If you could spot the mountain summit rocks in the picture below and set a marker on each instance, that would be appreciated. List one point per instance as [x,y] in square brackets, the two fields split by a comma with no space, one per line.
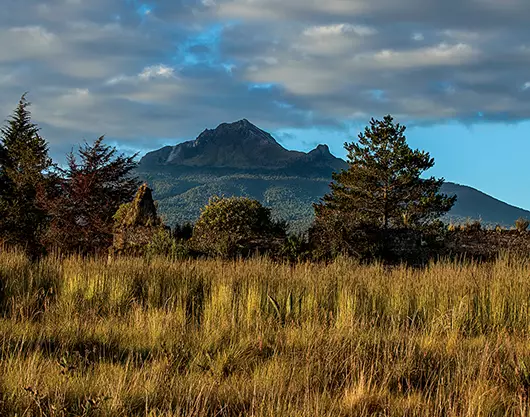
[240,145]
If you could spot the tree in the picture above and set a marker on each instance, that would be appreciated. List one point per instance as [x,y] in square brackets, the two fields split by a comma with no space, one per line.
[235,225]
[382,188]
[89,193]
[24,163]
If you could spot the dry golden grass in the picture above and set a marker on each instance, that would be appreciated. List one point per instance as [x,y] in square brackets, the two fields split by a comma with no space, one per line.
[256,338]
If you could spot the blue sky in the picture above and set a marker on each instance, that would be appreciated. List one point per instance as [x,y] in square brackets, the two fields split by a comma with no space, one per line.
[147,74]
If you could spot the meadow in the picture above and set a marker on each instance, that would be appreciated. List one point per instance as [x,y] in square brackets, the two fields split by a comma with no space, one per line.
[154,337]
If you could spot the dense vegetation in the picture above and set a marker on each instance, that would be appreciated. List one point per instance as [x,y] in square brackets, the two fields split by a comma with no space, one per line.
[233,226]
[256,338]
[81,208]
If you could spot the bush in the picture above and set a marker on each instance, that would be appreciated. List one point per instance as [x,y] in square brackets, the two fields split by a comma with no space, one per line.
[522,224]
[472,226]
[183,232]
[338,234]
[163,244]
[295,248]
[236,226]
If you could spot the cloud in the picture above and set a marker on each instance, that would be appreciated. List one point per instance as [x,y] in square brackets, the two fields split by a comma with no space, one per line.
[145,72]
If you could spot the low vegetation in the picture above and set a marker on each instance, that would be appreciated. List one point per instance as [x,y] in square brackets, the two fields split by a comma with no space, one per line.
[257,338]
[235,226]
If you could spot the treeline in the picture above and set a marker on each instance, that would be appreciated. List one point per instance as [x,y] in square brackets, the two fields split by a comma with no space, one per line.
[380,207]
[46,207]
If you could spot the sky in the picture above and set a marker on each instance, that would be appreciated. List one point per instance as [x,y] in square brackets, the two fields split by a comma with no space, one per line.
[148,74]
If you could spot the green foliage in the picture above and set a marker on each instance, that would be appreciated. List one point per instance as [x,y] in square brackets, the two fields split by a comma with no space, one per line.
[138,230]
[236,225]
[382,186]
[164,244]
[24,163]
[522,224]
[295,248]
[122,213]
[338,234]
[380,191]
[182,194]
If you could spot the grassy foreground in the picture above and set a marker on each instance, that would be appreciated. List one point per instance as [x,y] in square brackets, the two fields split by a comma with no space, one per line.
[254,338]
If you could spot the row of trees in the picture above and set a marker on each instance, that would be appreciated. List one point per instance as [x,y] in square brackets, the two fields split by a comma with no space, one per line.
[73,208]
[46,206]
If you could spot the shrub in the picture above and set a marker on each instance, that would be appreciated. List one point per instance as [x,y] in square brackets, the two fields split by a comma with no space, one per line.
[451,227]
[295,248]
[164,244]
[472,226]
[522,224]
[183,232]
[338,234]
[235,226]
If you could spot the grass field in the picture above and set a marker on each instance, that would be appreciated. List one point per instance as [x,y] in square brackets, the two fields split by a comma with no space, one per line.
[255,338]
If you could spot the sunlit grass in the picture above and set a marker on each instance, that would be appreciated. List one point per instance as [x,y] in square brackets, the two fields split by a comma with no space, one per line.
[258,338]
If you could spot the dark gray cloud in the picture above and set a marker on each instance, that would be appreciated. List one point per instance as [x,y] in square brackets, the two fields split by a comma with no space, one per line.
[162,71]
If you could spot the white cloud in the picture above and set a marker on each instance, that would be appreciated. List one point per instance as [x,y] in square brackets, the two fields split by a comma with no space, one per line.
[39,35]
[339,29]
[156,71]
[159,71]
[27,42]
[442,54]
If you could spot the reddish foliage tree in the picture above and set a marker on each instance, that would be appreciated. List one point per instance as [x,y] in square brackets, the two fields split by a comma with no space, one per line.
[86,195]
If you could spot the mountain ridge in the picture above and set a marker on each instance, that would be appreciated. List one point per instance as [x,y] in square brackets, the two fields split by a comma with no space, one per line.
[241,145]
[241,159]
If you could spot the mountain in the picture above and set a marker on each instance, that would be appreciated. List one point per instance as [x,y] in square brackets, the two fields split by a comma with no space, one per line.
[474,204]
[241,159]
[244,147]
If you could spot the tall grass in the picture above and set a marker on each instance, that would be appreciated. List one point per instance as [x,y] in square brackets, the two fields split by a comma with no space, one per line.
[256,338]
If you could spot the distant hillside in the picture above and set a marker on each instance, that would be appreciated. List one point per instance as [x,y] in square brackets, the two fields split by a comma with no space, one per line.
[474,204]
[241,159]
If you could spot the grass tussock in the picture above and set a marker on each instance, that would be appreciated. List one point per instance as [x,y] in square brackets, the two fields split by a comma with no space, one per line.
[81,337]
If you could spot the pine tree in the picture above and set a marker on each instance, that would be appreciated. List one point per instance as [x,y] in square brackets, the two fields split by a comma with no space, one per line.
[382,189]
[89,193]
[24,162]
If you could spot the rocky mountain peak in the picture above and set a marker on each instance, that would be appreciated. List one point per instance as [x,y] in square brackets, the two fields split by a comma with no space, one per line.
[241,131]
[321,150]
[242,145]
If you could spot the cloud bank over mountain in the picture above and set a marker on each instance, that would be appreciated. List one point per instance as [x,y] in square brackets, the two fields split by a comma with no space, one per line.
[143,73]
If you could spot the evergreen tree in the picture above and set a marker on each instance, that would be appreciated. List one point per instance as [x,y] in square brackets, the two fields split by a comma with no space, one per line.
[382,188]
[24,162]
[89,193]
